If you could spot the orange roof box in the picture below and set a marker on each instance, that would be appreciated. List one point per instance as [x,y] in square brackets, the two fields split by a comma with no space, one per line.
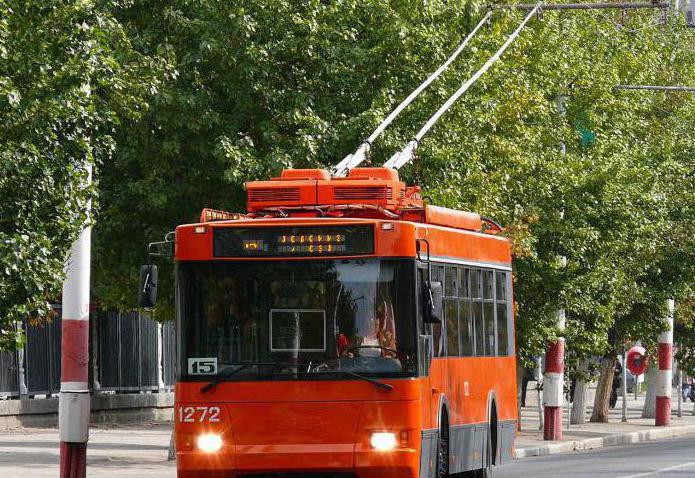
[386,174]
[443,216]
[294,188]
[306,174]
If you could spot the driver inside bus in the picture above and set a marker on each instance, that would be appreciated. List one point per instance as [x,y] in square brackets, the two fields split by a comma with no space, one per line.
[380,339]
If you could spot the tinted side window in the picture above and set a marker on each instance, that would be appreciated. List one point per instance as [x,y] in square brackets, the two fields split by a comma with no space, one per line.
[466,328]
[479,329]
[501,285]
[504,319]
[502,334]
[488,284]
[476,284]
[489,328]
[450,282]
[452,326]
[464,276]
[437,329]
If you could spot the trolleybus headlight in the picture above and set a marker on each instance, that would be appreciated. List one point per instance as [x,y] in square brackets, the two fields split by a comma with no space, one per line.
[209,443]
[383,441]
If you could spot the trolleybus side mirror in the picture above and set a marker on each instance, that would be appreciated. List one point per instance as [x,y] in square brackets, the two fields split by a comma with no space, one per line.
[147,292]
[433,302]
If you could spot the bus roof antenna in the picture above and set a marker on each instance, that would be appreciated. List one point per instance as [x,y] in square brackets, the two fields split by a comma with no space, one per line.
[355,159]
[408,152]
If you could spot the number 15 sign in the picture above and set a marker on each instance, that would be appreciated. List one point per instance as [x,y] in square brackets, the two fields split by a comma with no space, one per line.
[202,366]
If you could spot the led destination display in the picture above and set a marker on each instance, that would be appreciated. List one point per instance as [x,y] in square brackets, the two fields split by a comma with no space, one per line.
[293,241]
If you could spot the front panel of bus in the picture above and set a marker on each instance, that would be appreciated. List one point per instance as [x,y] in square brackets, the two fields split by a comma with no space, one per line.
[298,348]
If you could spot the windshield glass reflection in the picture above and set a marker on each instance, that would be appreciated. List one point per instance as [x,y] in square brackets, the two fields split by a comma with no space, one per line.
[298,319]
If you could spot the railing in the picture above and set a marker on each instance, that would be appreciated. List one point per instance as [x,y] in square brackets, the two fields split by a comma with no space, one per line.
[9,376]
[128,353]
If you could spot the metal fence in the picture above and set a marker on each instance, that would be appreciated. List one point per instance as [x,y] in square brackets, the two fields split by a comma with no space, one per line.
[42,358]
[9,374]
[169,354]
[129,352]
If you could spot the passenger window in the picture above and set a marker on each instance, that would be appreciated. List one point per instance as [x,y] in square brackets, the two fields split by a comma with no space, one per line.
[476,286]
[503,314]
[437,342]
[431,340]
[450,282]
[437,337]
[488,284]
[479,329]
[467,336]
[437,274]
[502,330]
[501,289]
[490,338]
[452,327]
[464,275]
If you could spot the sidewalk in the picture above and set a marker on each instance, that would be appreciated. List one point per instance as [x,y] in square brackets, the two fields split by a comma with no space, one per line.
[529,441]
[122,451]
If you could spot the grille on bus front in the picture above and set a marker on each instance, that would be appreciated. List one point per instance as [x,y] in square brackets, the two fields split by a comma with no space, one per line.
[364,192]
[273,194]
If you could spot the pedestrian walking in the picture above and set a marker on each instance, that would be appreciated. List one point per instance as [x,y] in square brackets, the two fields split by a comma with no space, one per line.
[617,381]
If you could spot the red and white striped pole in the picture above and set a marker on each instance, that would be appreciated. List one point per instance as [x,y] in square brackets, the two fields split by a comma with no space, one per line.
[663,384]
[553,385]
[74,402]
[554,375]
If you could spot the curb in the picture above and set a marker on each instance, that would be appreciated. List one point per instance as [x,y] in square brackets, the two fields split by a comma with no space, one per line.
[608,440]
[105,408]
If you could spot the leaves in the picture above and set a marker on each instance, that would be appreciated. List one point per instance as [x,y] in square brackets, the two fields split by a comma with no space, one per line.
[68,75]
[180,102]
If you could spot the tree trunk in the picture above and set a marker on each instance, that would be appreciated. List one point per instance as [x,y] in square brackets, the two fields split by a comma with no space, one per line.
[603,390]
[649,410]
[578,414]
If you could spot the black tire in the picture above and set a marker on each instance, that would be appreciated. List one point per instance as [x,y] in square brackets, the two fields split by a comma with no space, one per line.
[443,449]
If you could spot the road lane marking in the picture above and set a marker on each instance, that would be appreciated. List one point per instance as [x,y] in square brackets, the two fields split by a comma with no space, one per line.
[662,470]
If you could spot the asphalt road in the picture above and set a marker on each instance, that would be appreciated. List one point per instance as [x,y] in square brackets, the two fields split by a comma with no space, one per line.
[660,459]
[125,452]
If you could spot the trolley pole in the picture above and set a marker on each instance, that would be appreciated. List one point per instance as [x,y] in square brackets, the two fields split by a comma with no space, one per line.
[74,401]
[663,390]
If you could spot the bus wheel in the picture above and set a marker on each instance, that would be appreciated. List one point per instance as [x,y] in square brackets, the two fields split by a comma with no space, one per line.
[443,449]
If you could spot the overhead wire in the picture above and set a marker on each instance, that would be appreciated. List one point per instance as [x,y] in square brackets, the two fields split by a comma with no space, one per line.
[353,160]
[407,153]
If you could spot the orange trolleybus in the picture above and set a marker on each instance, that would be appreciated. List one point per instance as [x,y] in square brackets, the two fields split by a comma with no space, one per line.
[342,328]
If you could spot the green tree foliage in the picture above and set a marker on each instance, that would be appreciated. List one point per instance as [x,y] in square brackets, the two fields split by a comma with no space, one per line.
[262,85]
[609,201]
[259,86]
[68,75]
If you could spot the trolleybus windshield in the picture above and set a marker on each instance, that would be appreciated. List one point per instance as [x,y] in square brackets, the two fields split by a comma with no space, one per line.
[308,319]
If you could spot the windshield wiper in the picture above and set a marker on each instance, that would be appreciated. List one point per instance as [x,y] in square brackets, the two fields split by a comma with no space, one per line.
[229,371]
[226,373]
[382,385]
